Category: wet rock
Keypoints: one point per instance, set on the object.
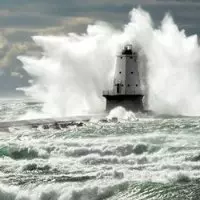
(64, 125)
(34, 167)
(45, 126)
(114, 119)
(24, 153)
(34, 125)
(194, 158)
(118, 175)
(79, 124)
(140, 149)
(103, 120)
(30, 167)
(44, 168)
(182, 178)
(56, 126)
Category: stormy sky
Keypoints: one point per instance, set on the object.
(21, 19)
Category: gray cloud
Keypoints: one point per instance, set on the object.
(41, 13)
(26, 20)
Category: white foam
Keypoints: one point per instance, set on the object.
(121, 114)
(90, 191)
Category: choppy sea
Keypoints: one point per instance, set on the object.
(151, 158)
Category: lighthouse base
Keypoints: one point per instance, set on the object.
(129, 102)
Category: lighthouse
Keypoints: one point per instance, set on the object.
(127, 87)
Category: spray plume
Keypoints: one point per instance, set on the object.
(74, 69)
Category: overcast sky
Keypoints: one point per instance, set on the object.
(20, 19)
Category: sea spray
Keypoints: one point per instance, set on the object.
(73, 72)
(173, 71)
(74, 69)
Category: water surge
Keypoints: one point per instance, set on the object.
(74, 69)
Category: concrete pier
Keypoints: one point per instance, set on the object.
(54, 123)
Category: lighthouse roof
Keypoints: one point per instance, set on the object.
(127, 50)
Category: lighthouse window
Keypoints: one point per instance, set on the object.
(118, 88)
(120, 72)
(131, 72)
(128, 85)
(136, 85)
(121, 57)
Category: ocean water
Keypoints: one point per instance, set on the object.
(139, 157)
(150, 157)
